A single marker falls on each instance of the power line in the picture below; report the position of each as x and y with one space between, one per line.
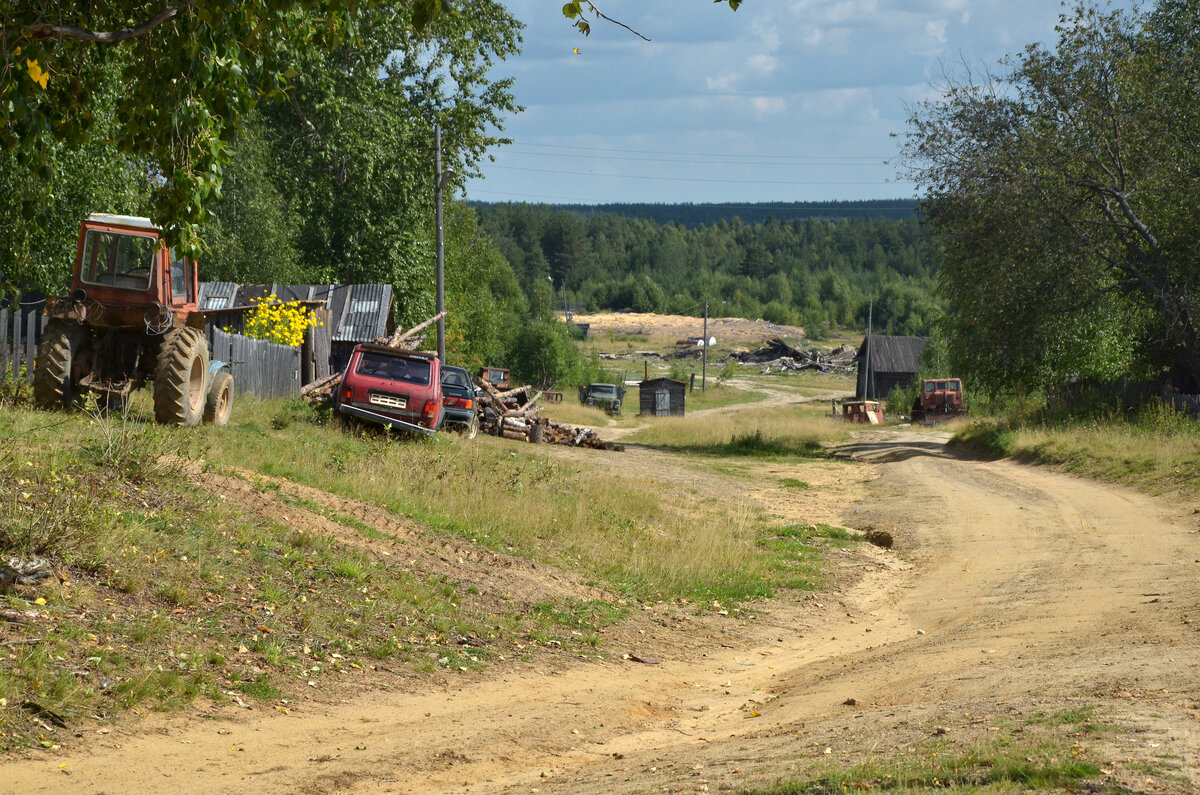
699 154
541 197
691 179
695 159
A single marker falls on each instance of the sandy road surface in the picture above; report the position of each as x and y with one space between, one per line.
1011 591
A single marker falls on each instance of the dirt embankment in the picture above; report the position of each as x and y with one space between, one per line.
727 330
1011 593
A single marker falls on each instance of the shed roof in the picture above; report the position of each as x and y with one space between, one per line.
892 354
663 381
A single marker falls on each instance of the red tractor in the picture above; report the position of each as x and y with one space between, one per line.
131 317
940 400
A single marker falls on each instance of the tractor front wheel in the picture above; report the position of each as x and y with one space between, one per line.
219 402
179 377
62 347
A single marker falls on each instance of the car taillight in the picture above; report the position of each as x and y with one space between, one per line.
462 403
430 412
347 394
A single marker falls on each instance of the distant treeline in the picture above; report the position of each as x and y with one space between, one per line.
691 215
815 272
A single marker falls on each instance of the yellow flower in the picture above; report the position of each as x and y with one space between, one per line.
36 73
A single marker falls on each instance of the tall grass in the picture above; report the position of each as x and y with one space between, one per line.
784 432
617 526
1156 448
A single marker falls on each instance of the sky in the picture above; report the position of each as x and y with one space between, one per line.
780 101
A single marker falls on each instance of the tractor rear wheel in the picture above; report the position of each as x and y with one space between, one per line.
219 402
179 377
54 385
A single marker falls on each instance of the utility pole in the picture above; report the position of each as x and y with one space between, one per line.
704 352
867 378
438 180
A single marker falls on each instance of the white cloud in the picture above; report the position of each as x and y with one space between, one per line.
834 102
721 84
762 63
936 29
769 105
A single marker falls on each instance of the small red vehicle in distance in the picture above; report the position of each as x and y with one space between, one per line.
496 376
869 411
940 400
396 388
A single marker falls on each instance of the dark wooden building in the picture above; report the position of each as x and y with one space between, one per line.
662 397
885 363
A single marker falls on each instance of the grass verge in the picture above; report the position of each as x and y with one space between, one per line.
1156 450
1012 759
770 433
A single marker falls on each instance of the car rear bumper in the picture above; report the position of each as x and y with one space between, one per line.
457 416
391 422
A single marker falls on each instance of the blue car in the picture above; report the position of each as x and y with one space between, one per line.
458 402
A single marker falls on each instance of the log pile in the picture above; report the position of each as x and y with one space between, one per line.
514 414
777 354
321 391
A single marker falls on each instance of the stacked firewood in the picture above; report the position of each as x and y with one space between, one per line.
320 392
514 414
510 414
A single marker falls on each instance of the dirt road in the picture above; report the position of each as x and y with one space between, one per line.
1011 594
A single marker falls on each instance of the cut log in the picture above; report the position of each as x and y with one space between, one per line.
330 379
512 392
399 336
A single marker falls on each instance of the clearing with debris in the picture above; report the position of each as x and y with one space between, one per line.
1022 619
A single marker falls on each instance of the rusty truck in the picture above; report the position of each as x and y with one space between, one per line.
940 400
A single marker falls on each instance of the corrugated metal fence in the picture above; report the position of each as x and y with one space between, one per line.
259 368
20 329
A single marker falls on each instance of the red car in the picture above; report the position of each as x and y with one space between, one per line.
392 387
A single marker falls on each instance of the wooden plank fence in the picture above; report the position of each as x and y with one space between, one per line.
1189 404
20 329
259 368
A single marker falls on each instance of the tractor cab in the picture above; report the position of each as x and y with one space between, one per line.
121 266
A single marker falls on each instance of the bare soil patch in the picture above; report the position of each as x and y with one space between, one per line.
727 330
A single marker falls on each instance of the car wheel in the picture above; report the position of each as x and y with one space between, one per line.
473 427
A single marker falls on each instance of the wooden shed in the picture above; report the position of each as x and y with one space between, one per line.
885 363
662 397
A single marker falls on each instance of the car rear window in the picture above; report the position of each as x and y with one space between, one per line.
395 368
455 378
